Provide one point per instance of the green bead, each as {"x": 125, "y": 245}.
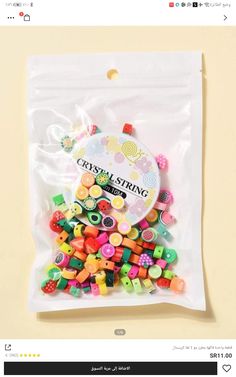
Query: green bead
{"x": 62, "y": 283}
{"x": 169, "y": 255}
{"x": 58, "y": 199}
{"x": 74, "y": 291}
{"x": 99, "y": 255}
{"x": 126, "y": 255}
{"x": 73, "y": 222}
{"x": 125, "y": 269}
{"x": 168, "y": 274}
{"x": 137, "y": 285}
{"x": 155, "y": 271}
{"x": 127, "y": 284}
{"x": 161, "y": 229}
{"x": 94, "y": 218}
{"x": 70, "y": 237}
{"x": 89, "y": 203}
{"x": 54, "y": 273}
{"x": 158, "y": 251}
{"x": 76, "y": 263}
{"x": 86, "y": 289}
{"x": 110, "y": 278}
{"x": 62, "y": 207}
{"x": 102, "y": 179}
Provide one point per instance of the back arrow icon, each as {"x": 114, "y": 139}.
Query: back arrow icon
{"x": 225, "y": 17}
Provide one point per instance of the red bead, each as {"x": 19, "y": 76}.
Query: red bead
{"x": 127, "y": 129}
{"x": 55, "y": 227}
{"x": 104, "y": 205}
{"x": 57, "y": 216}
{"x": 163, "y": 283}
{"x": 149, "y": 245}
{"x": 78, "y": 243}
{"x": 91, "y": 245}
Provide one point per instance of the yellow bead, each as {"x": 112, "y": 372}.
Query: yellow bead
{"x": 117, "y": 202}
{"x": 67, "y": 249}
{"x": 100, "y": 277}
{"x": 103, "y": 289}
{"x": 78, "y": 230}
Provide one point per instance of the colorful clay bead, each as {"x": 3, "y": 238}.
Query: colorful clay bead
{"x": 91, "y": 245}
{"x": 78, "y": 243}
{"x": 74, "y": 283}
{"x": 133, "y": 234}
{"x": 142, "y": 273}
{"x": 166, "y": 197}
{"x": 177, "y": 285}
{"x": 103, "y": 289}
{"x": 106, "y": 265}
{"x": 163, "y": 282}
{"x": 160, "y": 206}
{"x": 65, "y": 225}
{"x": 100, "y": 277}
{"x": 82, "y": 192}
{"x": 168, "y": 274}
{"x": 149, "y": 245}
{"x": 74, "y": 291}
{"x": 128, "y": 286}
{"x": 89, "y": 203}
{"x": 163, "y": 232}
{"x": 91, "y": 231}
{"x": 125, "y": 269}
{"x": 162, "y": 263}
{"x": 110, "y": 278}
{"x": 134, "y": 259}
{"x": 166, "y": 218}
{"x": 62, "y": 237}
{"x": 95, "y": 191}
{"x": 169, "y": 255}
{"x": 68, "y": 273}
{"x": 61, "y": 259}
{"x": 107, "y": 250}
{"x": 95, "y": 289}
{"x": 115, "y": 239}
{"x": 143, "y": 224}
{"x": 67, "y": 249}
{"x": 137, "y": 285}
{"x": 94, "y": 218}
{"x": 92, "y": 129}
{"x": 78, "y": 230}
{"x": 145, "y": 260}
{"x": 158, "y": 251}
{"x": 92, "y": 266}
{"x": 133, "y": 272}
{"x": 58, "y": 199}
{"x": 154, "y": 271}
{"x": 82, "y": 275}
{"x": 76, "y": 209}
{"x": 57, "y": 216}
{"x": 87, "y": 180}
{"x": 117, "y": 202}
{"x": 55, "y": 227}
{"x": 127, "y": 129}
{"x": 109, "y": 222}
{"x": 63, "y": 208}
{"x": 129, "y": 243}
{"x": 149, "y": 234}
{"x": 102, "y": 179}
{"x": 152, "y": 216}
{"x": 76, "y": 263}
{"x": 62, "y": 283}
{"x": 124, "y": 227}
{"x": 126, "y": 255}
{"x": 54, "y": 272}
{"x": 162, "y": 162}
{"x": 104, "y": 204}
{"x": 48, "y": 286}
{"x": 138, "y": 250}
{"x": 149, "y": 285}
{"x": 80, "y": 255}
{"x": 102, "y": 238}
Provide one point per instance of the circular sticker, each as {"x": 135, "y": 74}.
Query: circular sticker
{"x": 132, "y": 170}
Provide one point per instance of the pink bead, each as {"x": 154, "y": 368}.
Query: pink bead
{"x": 92, "y": 129}
{"x": 160, "y": 206}
{"x": 73, "y": 283}
{"x": 162, "y": 263}
{"x": 107, "y": 250}
{"x": 117, "y": 269}
{"x": 94, "y": 289}
{"x": 84, "y": 285}
{"x": 102, "y": 238}
{"x": 143, "y": 224}
{"x": 162, "y": 162}
{"x": 133, "y": 272}
{"x": 167, "y": 218}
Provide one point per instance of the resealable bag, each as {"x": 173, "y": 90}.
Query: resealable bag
{"x": 160, "y": 94}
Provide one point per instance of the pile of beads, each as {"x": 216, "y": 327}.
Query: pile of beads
{"x": 91, "y": 259}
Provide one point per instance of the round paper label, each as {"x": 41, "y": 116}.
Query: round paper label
{"x": 132, "y": 170}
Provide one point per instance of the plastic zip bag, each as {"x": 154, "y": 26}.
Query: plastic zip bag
{"x": 160, "y": 95}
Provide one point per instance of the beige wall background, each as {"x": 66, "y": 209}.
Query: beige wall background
{"x": 218, "y": 45}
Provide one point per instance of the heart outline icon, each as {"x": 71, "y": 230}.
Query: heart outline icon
{"x": 226, "y": 367}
